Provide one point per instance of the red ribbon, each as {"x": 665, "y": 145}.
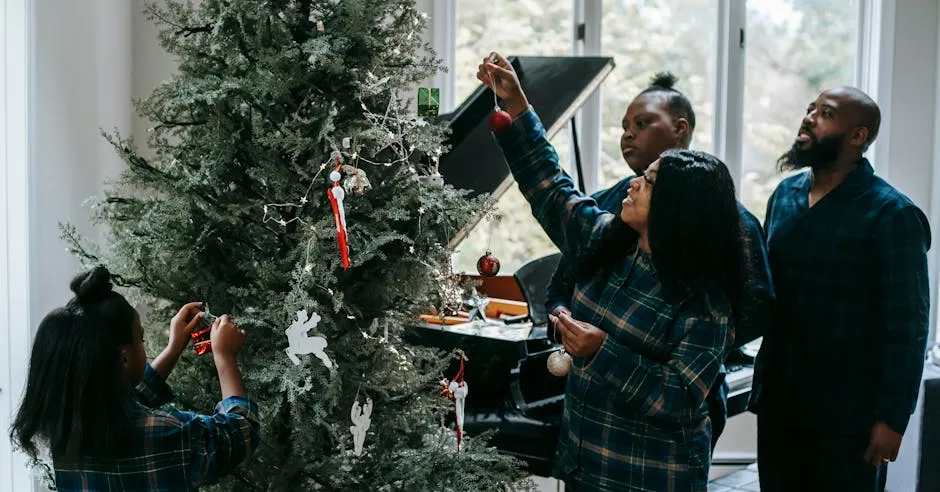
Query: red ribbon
{"x": 339, "y": 214}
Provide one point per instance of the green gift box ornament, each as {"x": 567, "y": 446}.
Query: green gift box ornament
{"x": 429, "y": 101}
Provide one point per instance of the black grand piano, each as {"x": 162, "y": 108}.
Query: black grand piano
{"x": 512, "y": 392}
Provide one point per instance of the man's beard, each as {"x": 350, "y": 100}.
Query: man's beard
{"x": 820, "y": 154}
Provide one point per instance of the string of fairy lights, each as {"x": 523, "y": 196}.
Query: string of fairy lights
{"x": 403, "y": 154}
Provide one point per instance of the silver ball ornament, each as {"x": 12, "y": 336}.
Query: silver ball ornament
{"x": 559, "y": 363}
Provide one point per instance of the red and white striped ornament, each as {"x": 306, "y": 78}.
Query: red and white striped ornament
{"x": 336, "y": 195}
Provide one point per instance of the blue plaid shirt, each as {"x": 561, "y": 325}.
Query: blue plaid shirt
{"x": 759, "y": 294}
{"x": 171, "y": 450}
{"x": 635, "y": 414}
{"x": 846, "y": 347}
{"x": 756, "y": 305}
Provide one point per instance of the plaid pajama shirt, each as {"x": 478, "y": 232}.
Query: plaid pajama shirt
{"x": 846, "y": 346}
{"x": 635, "y": 415}
{"x": 759, "y": 292}
{"x": 756, "y": 306}
{"x": 171, "y": 450}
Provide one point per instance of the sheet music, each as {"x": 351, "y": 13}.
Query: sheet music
{"x": 488, "y": 329}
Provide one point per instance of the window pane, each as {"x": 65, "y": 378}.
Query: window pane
{"x": 517, "y": 27}
{"x": 649, "y": 37}
{"x": 512, "y": 27}
{"x": 514, "y": 237}
{"x": 796, "y": 49}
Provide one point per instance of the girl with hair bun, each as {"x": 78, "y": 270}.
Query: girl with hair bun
{"x": 92, "y": 400}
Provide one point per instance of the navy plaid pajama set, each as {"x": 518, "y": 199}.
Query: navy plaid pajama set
{"x": 170, "y": 450}
{"x": 756, "y": 305}
{"x": 846, "y": 345}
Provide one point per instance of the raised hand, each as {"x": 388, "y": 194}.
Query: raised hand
{"x": 227, "y": 338}
{"x": 498, "y": 74}
{"x": 183, "y": 324}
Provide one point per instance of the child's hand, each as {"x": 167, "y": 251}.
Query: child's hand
{"x": 227, "y": 338}
{"x": 183, "y": 324}
{"x": 185, "y": 321}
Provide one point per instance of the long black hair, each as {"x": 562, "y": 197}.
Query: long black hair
{"x": 695, "y": 228}
{"x": 78, "y": 402}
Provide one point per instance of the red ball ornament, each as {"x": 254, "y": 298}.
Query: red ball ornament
{"x": 202, "y": 335}
{"x": 488, "y": 265}
{"x": 500, "y": 120}
{"x": 201, "y": 341}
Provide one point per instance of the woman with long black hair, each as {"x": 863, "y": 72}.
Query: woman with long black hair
{"x": 656, "y": 310}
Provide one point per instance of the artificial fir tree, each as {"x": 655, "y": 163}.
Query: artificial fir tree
{"x": 229, "y": 205}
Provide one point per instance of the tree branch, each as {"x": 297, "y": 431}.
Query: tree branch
{"x": 172, "y": 123}
{"x": 189, "y": 31}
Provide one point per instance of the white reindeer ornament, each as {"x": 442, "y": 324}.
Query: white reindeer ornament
{"x": 301, "y": 343}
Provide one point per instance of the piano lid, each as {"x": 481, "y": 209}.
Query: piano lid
{"x": 556, "y": 87}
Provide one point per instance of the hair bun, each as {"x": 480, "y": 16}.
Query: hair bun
{"x": 93, "y": 285}
{"x": 664, "y": 80}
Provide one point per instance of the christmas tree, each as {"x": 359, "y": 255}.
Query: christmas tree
{"x": 275, "y": 103}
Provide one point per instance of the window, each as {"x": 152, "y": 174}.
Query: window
{"x": 15, "y": 137}
{"x": 512, "y": 27}
{"x": 795, "y": 50}
{"x": 649, "y": 37}
{"x": 518, "y": 27}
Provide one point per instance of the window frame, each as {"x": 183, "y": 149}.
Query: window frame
{"x": 872, "y": 64}
{"x": 16, "y": 137}
{"x": 728, "y": 122}
{"x": 588, "y": 118}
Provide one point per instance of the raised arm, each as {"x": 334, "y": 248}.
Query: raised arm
{"x": 561, "y": 286}
{"x": 152, "y": 389}
{"x": 181, "y": 327}
{"x": 217, "y": 443}
{"x": 571, "y": 219}
{"x": 230, "y": 436}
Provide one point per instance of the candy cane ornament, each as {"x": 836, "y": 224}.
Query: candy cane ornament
{"x": 457, "y": 390}
{"x": 336, "y": 195}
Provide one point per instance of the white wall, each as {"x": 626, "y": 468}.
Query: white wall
{"x": 82, "y": 66}
{"x": 79, "y": 81}
{"x": 911, "y": 162}
{"x": 15, "y": 22}
{"x": 439, "y": 33}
